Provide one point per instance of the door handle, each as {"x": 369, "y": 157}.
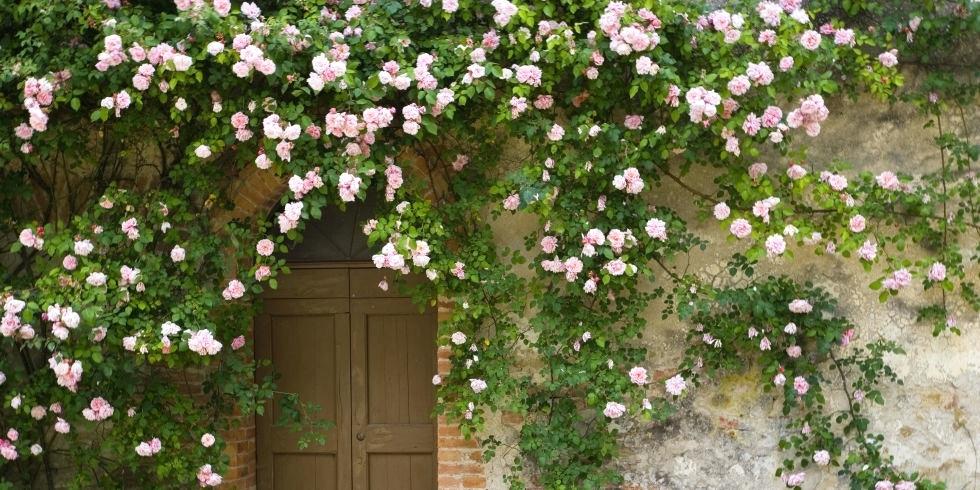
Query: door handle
{"x": 360, "y": 436}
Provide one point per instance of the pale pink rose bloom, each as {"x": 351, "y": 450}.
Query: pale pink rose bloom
{"x": 822, "y": 458}
{"x": 638, "y": 375}
{"x": 675, "y": 385}
{"x": 857, "y": 223}
{"x": 721, "y": 211}
{"x": 800, "y": 306}
{"x": 810, "y": 40}
{"x": 889, "y": 58}
{"x": 633, "y": 121}
{"x": 207, "y": 440}
{"x": 614, "y": 410}
{"x": 265, "y": 247}
{"x": 765, "y": 344}
{"x": 888, "y": 180}
{"x": 657, "y": 229}
{"x": 786, "y": 63}
{"x": 740, "y": 228}
{"x": 556, "y": 133}
{"x": 868, "y": 251}
{"x": 238, "y": 342}
{"x": 937, "y": 272}
{"x": 549, "y": 244}
{"x": 796, "y": 479}
{"x": 616, "y": 267}
{"x": 796, "y": 172}
{"x": 478, "y": 385}
{"x": 800, "y": 385}
{"x": 775, "y": 245}
{"x": 512, "y": 202}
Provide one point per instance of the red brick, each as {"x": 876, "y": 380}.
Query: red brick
{"x": 460, "y": 469}
{"x": 449, "y": 481}
{"x": 474, "y": 482}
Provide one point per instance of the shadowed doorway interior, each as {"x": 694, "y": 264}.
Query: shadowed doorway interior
{"x": 366, "y": 356}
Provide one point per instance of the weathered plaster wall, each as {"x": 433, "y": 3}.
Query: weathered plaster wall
{"x": 726, "y": 436}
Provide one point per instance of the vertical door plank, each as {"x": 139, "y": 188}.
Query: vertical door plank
{"x": 263, "y": 350}
{"x": 344, "y": 415}
{"x": 359, "y": 408}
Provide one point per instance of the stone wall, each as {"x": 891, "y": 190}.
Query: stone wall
{"x": 726, "y": 434}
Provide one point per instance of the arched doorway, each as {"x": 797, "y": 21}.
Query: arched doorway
{"x": 365, "y": 355}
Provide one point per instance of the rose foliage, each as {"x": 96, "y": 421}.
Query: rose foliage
{"x": 129, "y": 128}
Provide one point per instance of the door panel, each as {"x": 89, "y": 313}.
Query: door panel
{"x": 393, "y": 358}
{"x": 308, "y": 344}
{"x": 305, "y": 471}
{"x": 401, "y": 471}
{"x": 312, "y": 283}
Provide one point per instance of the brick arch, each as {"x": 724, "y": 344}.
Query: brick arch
{"x": 255, "y": 191}
{"x": 459, "y": 461}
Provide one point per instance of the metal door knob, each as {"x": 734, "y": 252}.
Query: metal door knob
{"x": 360, "y": 436}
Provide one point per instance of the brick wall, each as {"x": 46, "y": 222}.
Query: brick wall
{"x": 460, "y": 460}
{"x": 240, "y": 448}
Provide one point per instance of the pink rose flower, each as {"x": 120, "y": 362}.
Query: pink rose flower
{"x": 740, "y": 228}
{"x": 675, "y": 385}
{"x": 638, "y": 375}
{"x": 857, "y": 223}
{"x": 265, "y": 247}
{"x": 614, "y": 410}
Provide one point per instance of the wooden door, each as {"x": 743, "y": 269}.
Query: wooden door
{"x": 367, "y": 357}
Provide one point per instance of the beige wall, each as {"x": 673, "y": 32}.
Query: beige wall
{"x": 726, "y": 435}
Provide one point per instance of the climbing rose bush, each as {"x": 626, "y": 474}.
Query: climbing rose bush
{"x": 132, "y": 281}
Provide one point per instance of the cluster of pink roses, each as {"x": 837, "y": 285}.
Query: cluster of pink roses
{"x": 11, "y": 324}
{"x": 629, "y": 181}
{"x": 118, "y": 101}
{"x": 348, "y": 186}
{"x": 149, "y": 448}
{"x": 38, "y": 96}
{"x": 290, "y": 216}
{"x": 703, "y": 104}
{"x": 389, "y": 258}
{"x": 206, "y": 477}
{"x": 251, "y": 57}
{"x": 63, "y": 320}
{"x": 328, "y": 67}
{"x": 300, "y": 186}
{"x": 809, "y": 115}
{"x": 68, "y": 372}
{"x": 98, "y": 409}
{"x": 203, "y": 343}
{"x": 273, "y": 127}
{"x": 234, "y": 290}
